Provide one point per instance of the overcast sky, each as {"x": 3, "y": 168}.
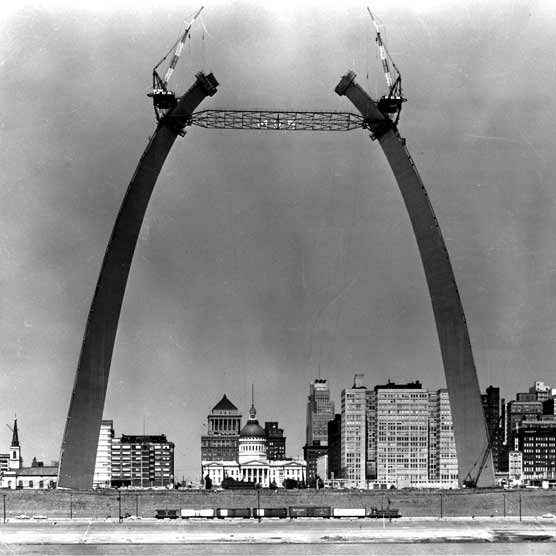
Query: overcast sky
{"x": 265, "y": 256}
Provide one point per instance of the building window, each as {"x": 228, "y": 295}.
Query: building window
{"x": 31, "y": 484}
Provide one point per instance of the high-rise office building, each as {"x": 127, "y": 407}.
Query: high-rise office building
{"x": 518, "y": 411}
{"x": 275, "y": 441}
{"x": 443, "y": 459}
{"x": 335, "y": 447}
{"x": 402, "y": 417}
{"x": 491, "y": 407}
{"x": 538, "y": 452}
{"x": 221, "y": 441}
{"x": 103, "y": 465}
{"x": 320, "y": 410}
{"x": 371, "y": 435}
{"x": 142, "y": 461}
{"x": 354, "y": 433}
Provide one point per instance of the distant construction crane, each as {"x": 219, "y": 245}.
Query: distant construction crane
{"x": 164, "y": 99}
{"x": 391, "y": 103}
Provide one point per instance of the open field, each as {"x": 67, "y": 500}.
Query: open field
{"x": 412, "y": 503}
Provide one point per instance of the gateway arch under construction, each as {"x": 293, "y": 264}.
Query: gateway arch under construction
{"x": 79, "y": 445}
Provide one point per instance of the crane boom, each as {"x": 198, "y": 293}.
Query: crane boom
{"x": 179, "y": 49}
{"x": 391, "y": 103}
{"x": 382, "y": 51}
{"x": 163, "y": 99}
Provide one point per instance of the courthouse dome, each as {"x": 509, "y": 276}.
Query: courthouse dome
{"x": 252, "y": 429}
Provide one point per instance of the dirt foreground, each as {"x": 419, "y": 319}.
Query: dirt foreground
{"x": 313, "y": 531}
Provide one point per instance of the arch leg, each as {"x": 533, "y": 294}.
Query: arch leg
{"x": 470, "y": 430}
{"x": 79, "y": 445}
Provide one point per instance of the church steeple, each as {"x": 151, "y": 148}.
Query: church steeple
{"x": 15, "y": 461}
{"x": 15, "y": 436}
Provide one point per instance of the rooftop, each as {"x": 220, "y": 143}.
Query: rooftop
{"x": 224, "y": 405}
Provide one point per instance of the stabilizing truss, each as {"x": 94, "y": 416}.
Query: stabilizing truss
{"x": 277, "y": 120}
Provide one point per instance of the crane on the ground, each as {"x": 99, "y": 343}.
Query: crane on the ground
{"x": 163, "y": 98}
{"x": 391, "y": 103}
{"x": 472, "y": 478}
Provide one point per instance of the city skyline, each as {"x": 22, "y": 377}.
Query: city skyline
{"x": 265, "y": 257}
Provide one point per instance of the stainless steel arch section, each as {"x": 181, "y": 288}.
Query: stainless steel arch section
{"x": 472, "y": 444}
{"x": 79, "y": 445}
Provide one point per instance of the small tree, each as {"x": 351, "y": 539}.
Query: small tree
{"x": 290, "y": 483}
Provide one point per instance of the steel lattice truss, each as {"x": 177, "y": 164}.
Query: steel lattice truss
{"x": 277, "y": 120}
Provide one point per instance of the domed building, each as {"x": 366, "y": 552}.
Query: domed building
{"x": 252, "y": 465}
{"x": 252, "y": 440}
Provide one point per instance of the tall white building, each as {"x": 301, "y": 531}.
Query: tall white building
{"x": 402, "y": 421}
{"x": 443, "y": 460}
{"x": 354, "y": 433}
{"x": 103, "y": 464}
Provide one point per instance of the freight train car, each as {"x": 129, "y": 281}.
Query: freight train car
{"x": 244, "y": 513}
{"x": 309, "y": 511}
{"x": 349, "y": 512}
{"x": 270, "y": 512}
{"x": 166, "y": 514}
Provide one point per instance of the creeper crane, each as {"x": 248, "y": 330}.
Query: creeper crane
{"x": 164, "y": 99}
{"x": 391, "y": 103}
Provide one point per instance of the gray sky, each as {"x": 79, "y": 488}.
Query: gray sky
{"x": 265, "y": 255}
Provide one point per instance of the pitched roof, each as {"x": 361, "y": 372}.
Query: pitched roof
{"x": 224, "y": 405}
{"x": 37, "y": 471}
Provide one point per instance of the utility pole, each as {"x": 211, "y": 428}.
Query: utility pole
{"x": 504, "y": 495}
{"x": 520, "y": 506}
{"x": 71, "y": 505}
{"x": 4, "y": 507}
{"x": 441, "y": 506}
{"x": 119, "y": 506}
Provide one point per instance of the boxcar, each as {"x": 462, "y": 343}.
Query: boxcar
{"x": 270, "y": 512}
{"x": 170, "y": 514}
{"x": 349, "y": 512}
{"x": 207, "y": 512}
{"x": 309, "y": 511}
{"x": 245, "y": 513}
